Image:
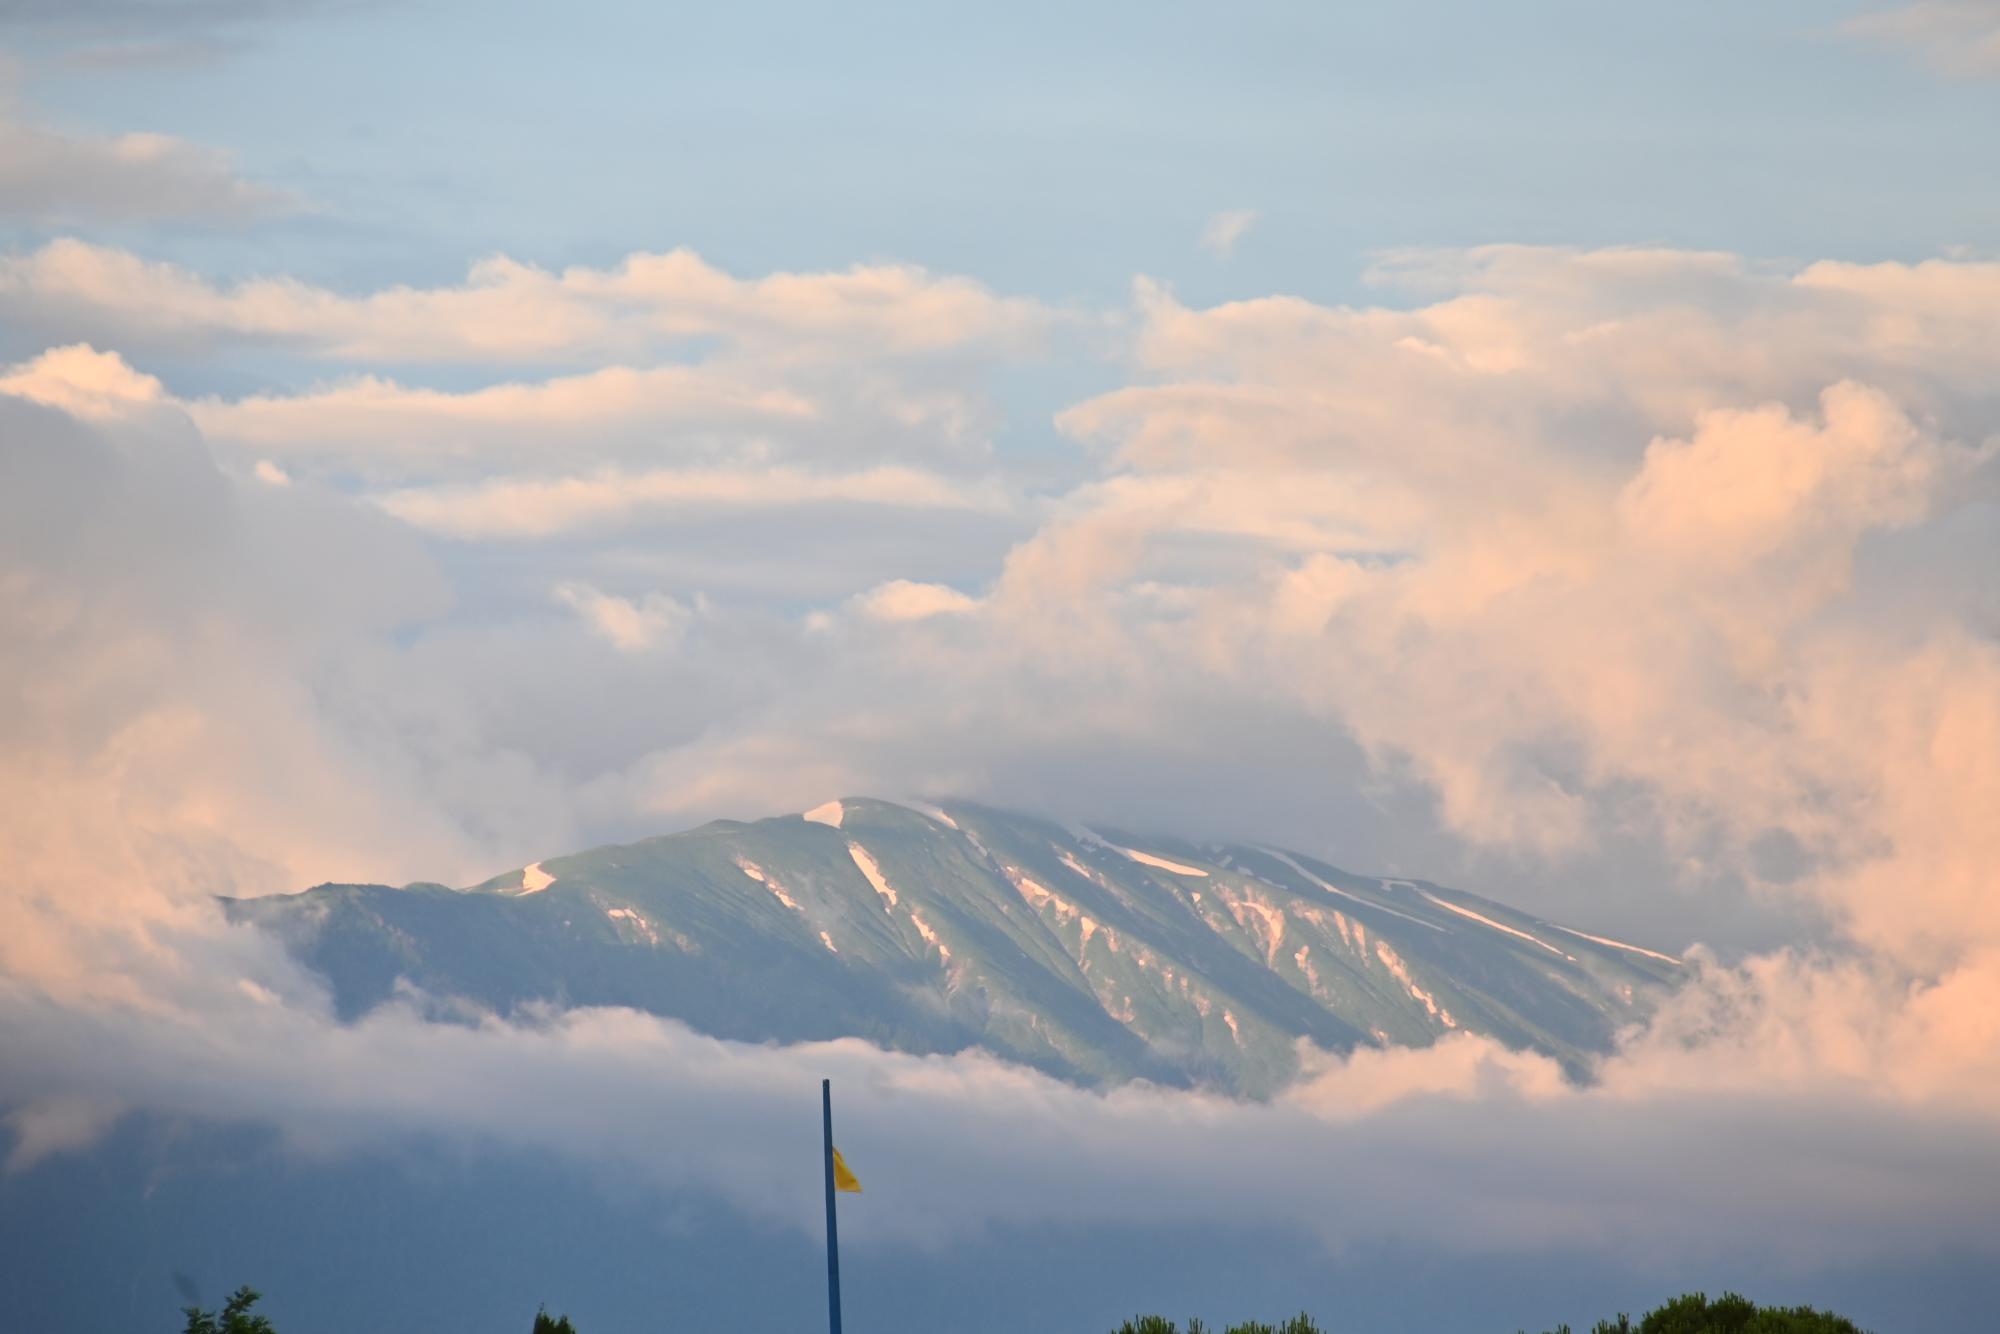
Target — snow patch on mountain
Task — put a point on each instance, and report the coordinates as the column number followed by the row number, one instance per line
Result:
column 1032, row 890
column 1039, row 896
column 1270, row 922
column 930, row 936
column 869, row 868
column 1497, row 926
column 1069, row 859
column 1621, row 945
column 636, row 921
column 1335, row 889
column 1303, row 960
column 756, row 872
column 1401, row 972
column 1148, row 859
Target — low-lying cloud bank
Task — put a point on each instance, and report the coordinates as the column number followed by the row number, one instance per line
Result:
column 1572, row 549
column 1464, row 1146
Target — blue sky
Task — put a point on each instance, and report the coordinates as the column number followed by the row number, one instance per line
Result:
column 1055, row 150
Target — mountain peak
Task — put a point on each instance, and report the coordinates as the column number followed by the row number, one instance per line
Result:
column 1096, row 954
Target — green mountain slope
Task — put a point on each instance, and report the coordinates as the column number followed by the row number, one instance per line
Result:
column 1098, row 956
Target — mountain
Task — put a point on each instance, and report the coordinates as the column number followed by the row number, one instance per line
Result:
column 1095, row 955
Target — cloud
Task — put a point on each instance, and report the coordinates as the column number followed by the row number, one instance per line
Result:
column 1579, row 502
column 191, row 658
column 1601, row 601
column 1574, row 548
column 1225, row 229
column 83, row 382
column 1464, row 1146
column 1956, row 37
column 633, row 625
column 1750, row 484
column 904, row 600
column 1541, row 523
column 384, row 427
column 49, row 176
column 709, row 414
column 507, row 312
column 524, row 509
column 869, row 386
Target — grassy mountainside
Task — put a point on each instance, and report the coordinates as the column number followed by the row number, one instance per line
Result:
column 1096, row 955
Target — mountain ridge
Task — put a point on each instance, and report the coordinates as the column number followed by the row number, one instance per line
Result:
column 1093, row 953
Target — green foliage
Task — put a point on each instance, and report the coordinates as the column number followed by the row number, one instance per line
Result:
column 544, row 1324
column 1157, row 1324
column 233, row 1318
column 1298, row 1324
column 1694, row 1313
column 1733, row 1314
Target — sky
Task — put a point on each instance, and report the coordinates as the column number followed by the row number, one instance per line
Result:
column 1550, row 449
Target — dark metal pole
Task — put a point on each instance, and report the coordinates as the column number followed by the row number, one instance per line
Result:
column 832, row 1225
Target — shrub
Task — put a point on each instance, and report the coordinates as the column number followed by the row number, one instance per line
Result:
column 233, row 1318
column 1159, row 1324
column 1694, row 1313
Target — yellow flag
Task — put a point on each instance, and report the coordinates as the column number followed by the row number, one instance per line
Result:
column 842, row 1178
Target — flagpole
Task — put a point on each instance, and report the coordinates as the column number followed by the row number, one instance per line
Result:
column 832, row 1225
